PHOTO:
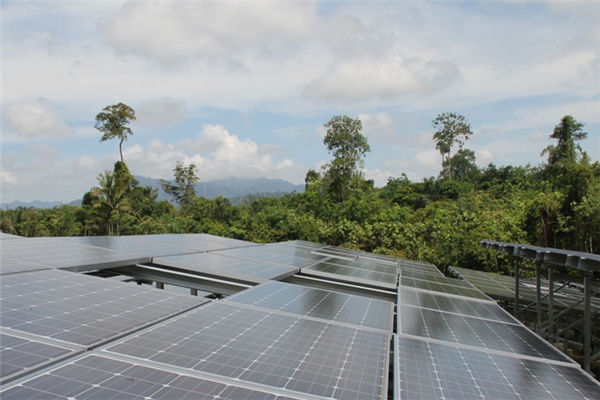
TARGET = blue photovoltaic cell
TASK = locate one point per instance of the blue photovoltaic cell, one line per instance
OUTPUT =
(9, 266)
(289, 353)
(432, 371)
(101, 378)
(64, 253)
(82, 309)
(349, 274)
(316, 303)
(19, 354)
(485, 334)
(464, 306)
(217, 265)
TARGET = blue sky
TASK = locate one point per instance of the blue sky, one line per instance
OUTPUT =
(244, 88)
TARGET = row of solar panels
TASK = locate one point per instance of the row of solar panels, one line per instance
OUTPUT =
(75, 336)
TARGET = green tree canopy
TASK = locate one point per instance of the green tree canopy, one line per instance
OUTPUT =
(451, 129)
(183, 190)
(566, 151)
(348, 146)
(113, 121)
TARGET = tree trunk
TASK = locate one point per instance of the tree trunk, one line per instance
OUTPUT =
(121, 149)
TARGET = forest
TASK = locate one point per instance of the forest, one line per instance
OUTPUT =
(439, 219)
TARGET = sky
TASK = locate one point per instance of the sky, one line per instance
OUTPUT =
(243, 88)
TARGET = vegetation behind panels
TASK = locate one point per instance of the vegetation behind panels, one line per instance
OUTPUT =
(440, 219)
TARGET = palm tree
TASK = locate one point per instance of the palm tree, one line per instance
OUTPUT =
(111, 198)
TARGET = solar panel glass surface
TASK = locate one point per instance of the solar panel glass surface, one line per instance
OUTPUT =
(289, 353)
(431, 371)
(316, 303)
(82, 309)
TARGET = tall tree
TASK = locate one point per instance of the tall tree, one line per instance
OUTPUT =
(113, 121)
(566, 151)
(451, 129)
(348, 146)
(183, 190)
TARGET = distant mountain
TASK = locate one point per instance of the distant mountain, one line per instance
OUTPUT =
(231, 188)
(234, 189)
(36, 204)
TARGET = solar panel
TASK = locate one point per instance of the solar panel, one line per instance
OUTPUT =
(456, 305)
(354, 275)
(433, 277)
(442, 288)
(266, 254)
(18, 355)
(141, 246)
(405, 264)
(82, 309)
(223, 241)
(381, 258)
(430, 371)
(285, 352)
(8, 266)
(316, 303)
(475, 332)
(235, 268)
(61, 253)
(366, 265)
(101, 377)
(9, 236)
(295, 251)
(344, 254)
(302, 244)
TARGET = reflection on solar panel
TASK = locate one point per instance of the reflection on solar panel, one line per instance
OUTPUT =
(443, 288)
(213, 263)
(475, 332)
(8, 266)
(338, 252)
(100, 377)
(379, 258)
(289, 353)
(366, 265)
(19, 354)
(349, 274)
(433, 277)
(224, 242)
(82, 309)
(267, 255)
(322, 304)
(142, 246)
(294, 251)
(418, 265)
(456, 305)
(430, 371)
(61, 253)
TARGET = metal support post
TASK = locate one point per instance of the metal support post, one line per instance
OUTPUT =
(516, 285)
(538, 297)
(550, 301)
(160, 285)
(194, 292)
(587, 321)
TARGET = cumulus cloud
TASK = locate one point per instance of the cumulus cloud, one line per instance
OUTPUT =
(428, 159)
(217, 153)
(161, 112)
(34, 119)
(382, 77)
(175, 33)
(378, 126)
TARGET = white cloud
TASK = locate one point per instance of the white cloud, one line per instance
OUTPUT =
(161, 112)
(376, 126)
(369, 77)
(34, 119)
(428, 159)
(484, 157)
(176, 33)
(379, 177)
(8, 181)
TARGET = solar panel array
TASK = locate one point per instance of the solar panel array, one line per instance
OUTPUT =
(67, 335)
(217, 265)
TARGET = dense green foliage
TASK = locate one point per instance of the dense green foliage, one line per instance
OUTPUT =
(556, 204)
(112, 122)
